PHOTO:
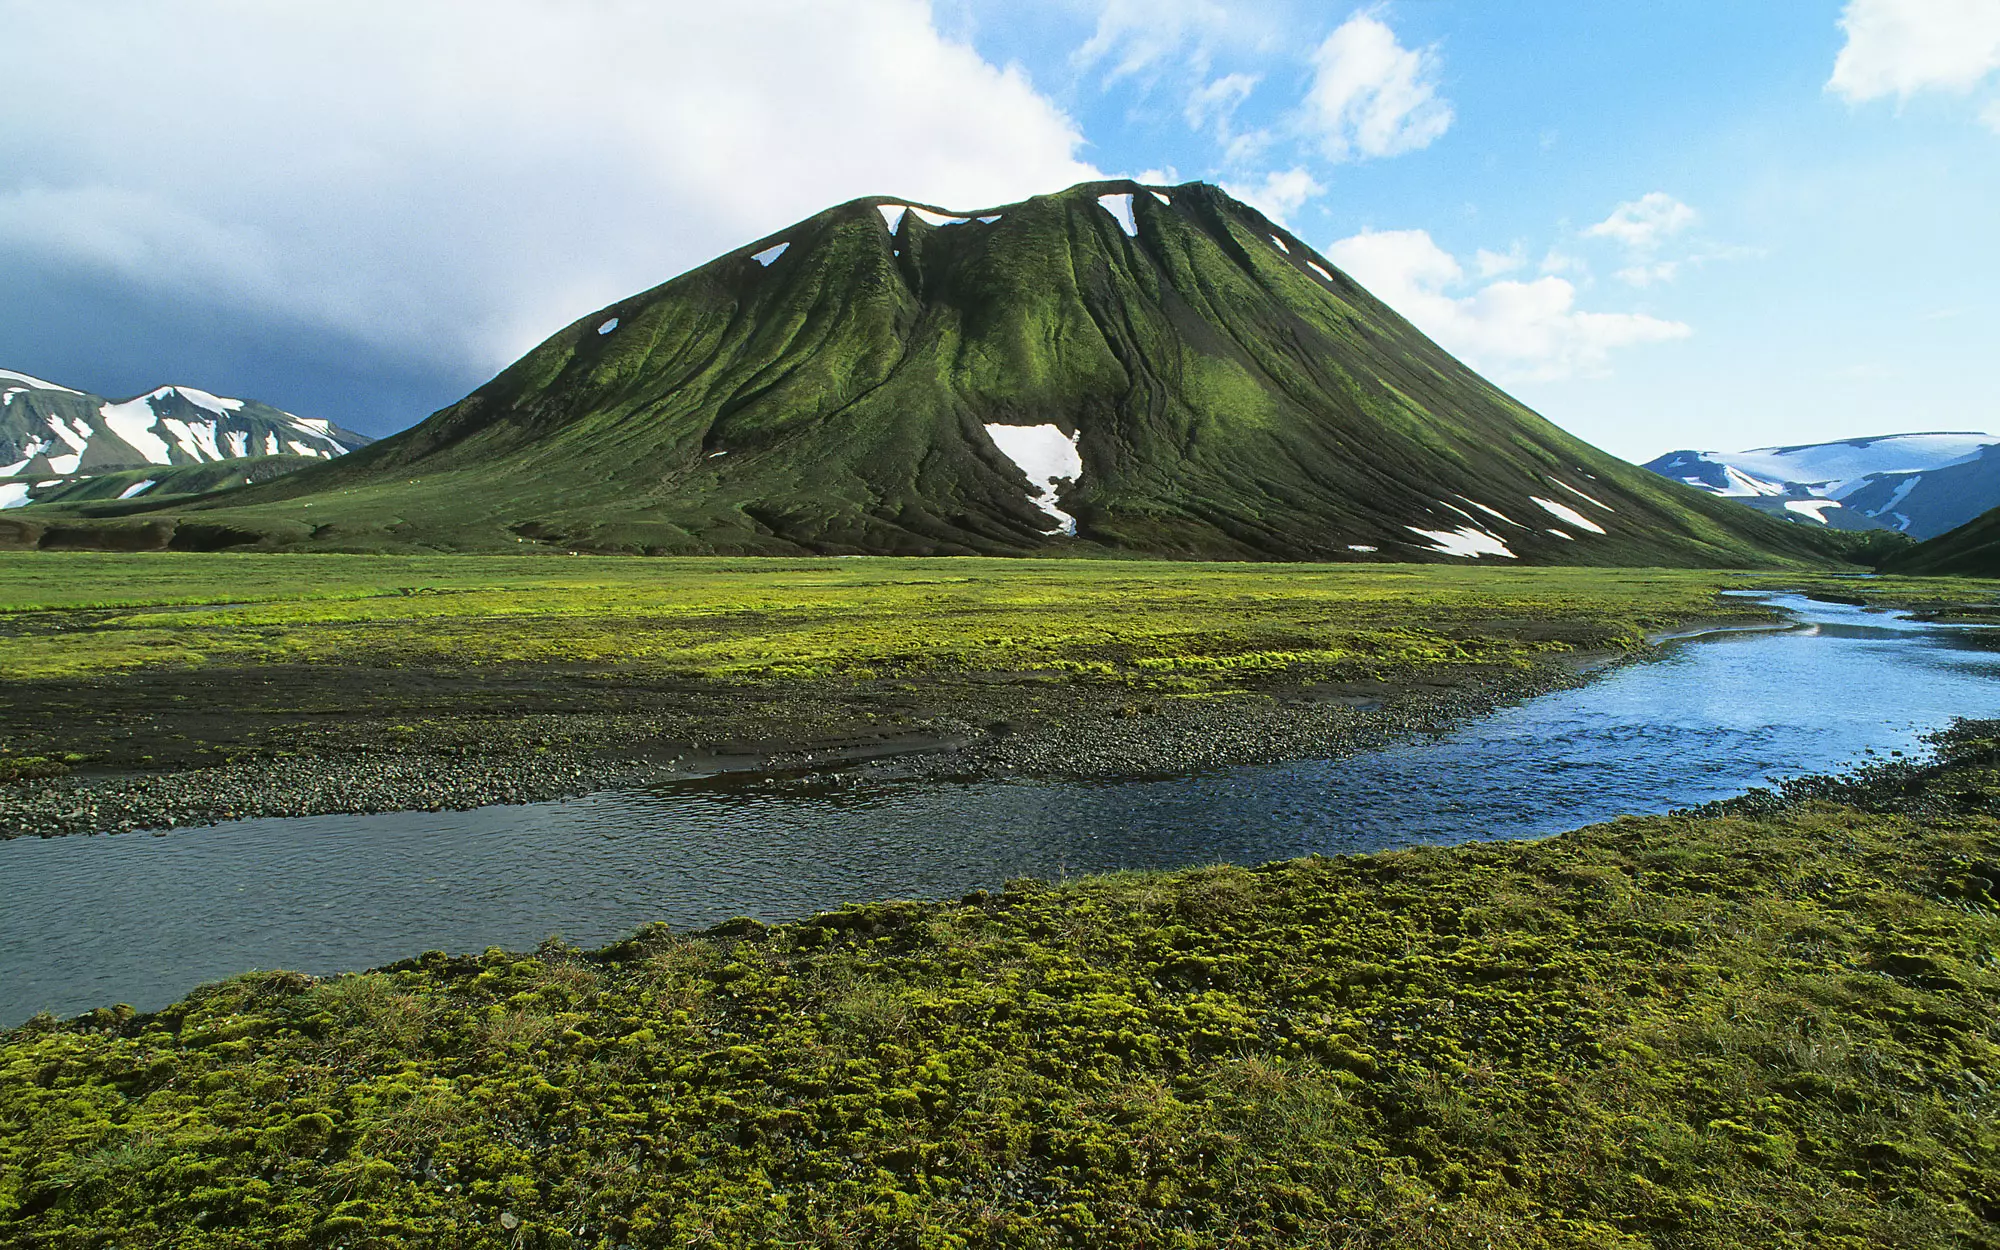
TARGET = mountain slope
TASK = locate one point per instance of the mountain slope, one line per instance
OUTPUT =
(49, 431)
(1180, 376)
(1971, 550)
(1918, 484)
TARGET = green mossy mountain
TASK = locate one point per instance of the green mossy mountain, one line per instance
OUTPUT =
(1971, 550)
(1230, 393)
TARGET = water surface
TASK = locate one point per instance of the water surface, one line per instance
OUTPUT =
(139, 919)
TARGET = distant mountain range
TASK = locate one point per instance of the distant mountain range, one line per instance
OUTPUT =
(1112, 368)
(51, 436)
(1919, 484)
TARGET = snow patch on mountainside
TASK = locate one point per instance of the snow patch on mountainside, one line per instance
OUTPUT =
(1464, 541)
(132, 421)
(938, 219)
(1563, 512)
(36, 383)
(770, 254)
(1120, 208)
(137, 488)
(1814, 508)
(1047, 457)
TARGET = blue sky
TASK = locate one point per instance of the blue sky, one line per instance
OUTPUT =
(1700, 224)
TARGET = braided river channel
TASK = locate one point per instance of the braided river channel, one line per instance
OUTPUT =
(92, 921)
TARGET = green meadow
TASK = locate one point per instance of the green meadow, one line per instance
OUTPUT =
(1177, 625)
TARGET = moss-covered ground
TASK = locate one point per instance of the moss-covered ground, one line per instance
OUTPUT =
(1775, 1023)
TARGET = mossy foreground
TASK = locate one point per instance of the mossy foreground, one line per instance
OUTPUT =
(1771, 1026)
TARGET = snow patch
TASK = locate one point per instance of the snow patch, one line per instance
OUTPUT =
(7, 396)
(1903, 490)
(133, 421)
(239, 444)
(1317, 268)
(769, 254)
(1164, 198)
(1464, 541)
(1281, 245)
(65, 464)
(138, 488)
(1814, 508)
(938, 219)
(70, 430)
(1120, 208)
(36, 383)
(1494, 512)
(987, 221)
(1363, 548)
(1047, 457)
(608, 326)
(892, 215)
(1564, 534)
(270, 444)
(197, 438)
(201, 399)
(1586, 498)
(1563, 512)
(13, 494)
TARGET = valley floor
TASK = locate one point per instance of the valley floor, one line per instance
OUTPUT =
(147, 690)
(1767, 1023)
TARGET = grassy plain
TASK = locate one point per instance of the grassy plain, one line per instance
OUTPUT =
(114, 661)
(1765, 1027)
(86, 614)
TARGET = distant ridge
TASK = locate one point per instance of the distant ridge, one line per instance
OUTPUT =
(51, 436)
(1920, 484)
(1115, 368)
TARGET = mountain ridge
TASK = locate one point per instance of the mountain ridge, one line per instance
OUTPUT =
(53, 436)
(832, 388)
(1920, 483)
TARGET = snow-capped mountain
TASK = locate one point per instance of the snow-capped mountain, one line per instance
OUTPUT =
(51, 431)
(1921, 484)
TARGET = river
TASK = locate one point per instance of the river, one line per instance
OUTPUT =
(91, 921)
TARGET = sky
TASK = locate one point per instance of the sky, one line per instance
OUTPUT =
(1662, 225)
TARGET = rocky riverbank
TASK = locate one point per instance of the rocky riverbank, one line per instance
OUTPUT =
(962, 731)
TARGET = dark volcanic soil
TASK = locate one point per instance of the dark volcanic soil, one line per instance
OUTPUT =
(166, 748)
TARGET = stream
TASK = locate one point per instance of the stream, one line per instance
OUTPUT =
(91, 921)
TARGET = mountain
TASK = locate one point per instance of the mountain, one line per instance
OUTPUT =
(1112, 368)
(51, 435)
(1918, 484)
(1971, 550)
(155, 484)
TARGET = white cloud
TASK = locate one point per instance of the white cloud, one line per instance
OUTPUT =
(1279, 194)
(1648, 274)
(1493, 264)
(1990, 116)
(1135, 36)
(1370, 96)
(1901, 47)
(1212, 105)
(1645, 223)
(455, 180)
(1521, 331)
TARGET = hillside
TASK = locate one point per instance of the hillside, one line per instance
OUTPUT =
(1971, 550)
(1916, 484)
(1115, 368)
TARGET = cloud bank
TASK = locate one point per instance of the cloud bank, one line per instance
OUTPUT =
(452, 181)
(1903, 47)
(1516, 330)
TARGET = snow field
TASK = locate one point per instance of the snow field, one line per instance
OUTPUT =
(1046, 457)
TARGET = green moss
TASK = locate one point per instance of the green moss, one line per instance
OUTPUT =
(1770, 1025)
